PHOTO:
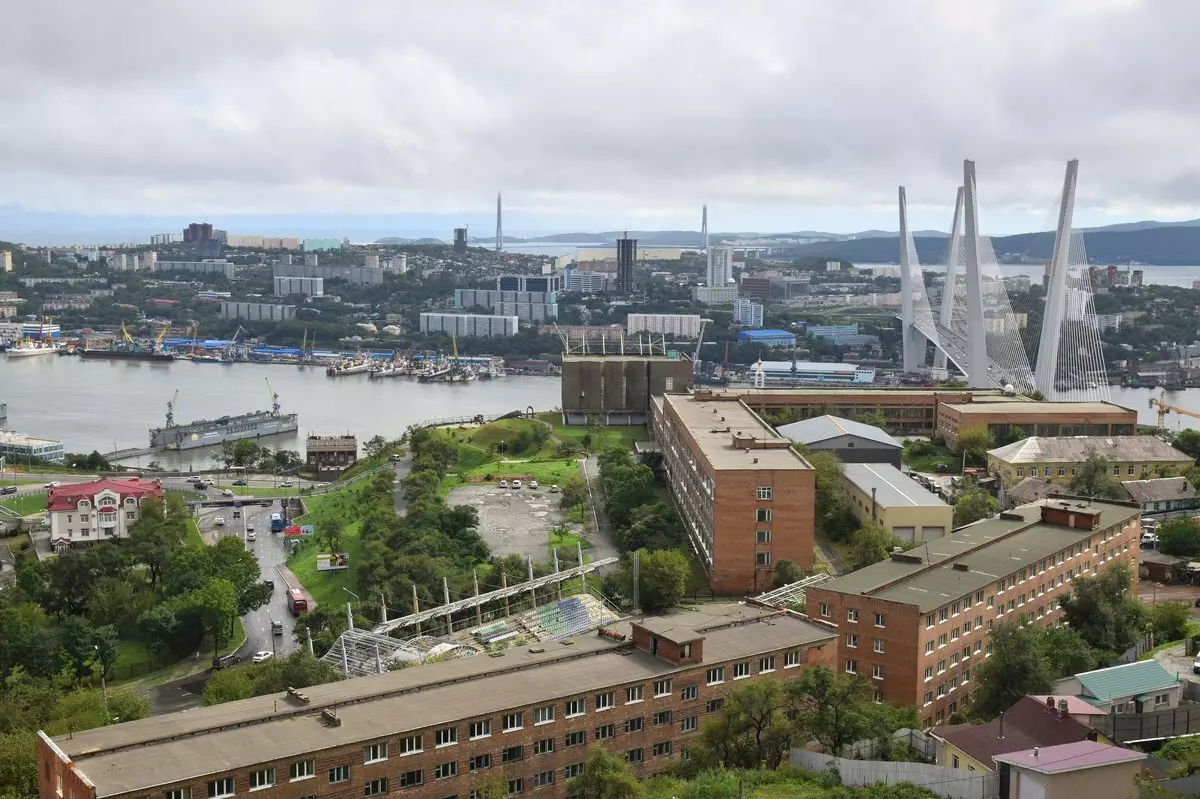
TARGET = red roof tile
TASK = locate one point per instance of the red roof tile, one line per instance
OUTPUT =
(67, 496)
(1026, 724)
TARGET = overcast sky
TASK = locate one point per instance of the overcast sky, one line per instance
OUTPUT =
(786, 115)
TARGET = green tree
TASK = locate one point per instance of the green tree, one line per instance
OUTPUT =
(664, 576)
(1095, 478)
(605, 776)
(214, 606)
(652, 526)
(1104, 611)
(155, 538)
(1179, 537)
(973, 444)
(871, 543)
(1169, 620)
(245, 452)
(787, 572)
(1066, 651)
(752, 730)
(1185, 751)
(1018, 666)
(78, 642)
(834, 708)
(329, 533)
(574, 491)
(104, 642)
(972, 504)
(374, 445)
(1187, 442)
(873, 418)
(228, 685)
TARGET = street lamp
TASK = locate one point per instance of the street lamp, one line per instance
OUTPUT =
(349, 611)
(103, 684)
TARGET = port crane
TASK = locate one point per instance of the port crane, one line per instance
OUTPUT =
(162, 336)
(125, 334)
(171, 409)
(274, 398)
(1165, 407)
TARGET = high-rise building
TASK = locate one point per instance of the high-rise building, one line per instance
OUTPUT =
(626, 258)
(747, 312)
(372, 261)
(460, 239)
(198, 233)
(720, 267)
(5, 261)
(499, 226)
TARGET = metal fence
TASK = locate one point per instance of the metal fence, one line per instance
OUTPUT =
(948, 782)
(1133, 727)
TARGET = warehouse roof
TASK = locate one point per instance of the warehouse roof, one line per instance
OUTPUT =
(976, 556)
(823, 428)
(1117, 449)
(892, 487)
(1159, 489)
(1129, 679)
(713, 424)
(163, 750)
(1035, 408)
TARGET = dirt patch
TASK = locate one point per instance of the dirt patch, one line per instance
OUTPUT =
(513, 521)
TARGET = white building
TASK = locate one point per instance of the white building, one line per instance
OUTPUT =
(18, 448)
(583, 281)
(720, 267)
(1078, 304)
(464, 325)
(216, 266)
(400, 264)
(257, 311)
(1104, 321)
(286, 286)
(747, 312)
(87, 513)
(714, 295)
(677, 325)
(5, 261)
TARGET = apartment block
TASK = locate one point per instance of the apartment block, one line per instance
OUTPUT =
(210, 267)
(358, 275)
(469, 324)
(677, 325)
(545, 284)
(745, 496)
(306, 286)
(917, 624)
(1001, 417)
(1058, 460)
(523, 719)
(257, 311)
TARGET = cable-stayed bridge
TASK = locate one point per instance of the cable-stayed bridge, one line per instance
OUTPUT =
(971, 325)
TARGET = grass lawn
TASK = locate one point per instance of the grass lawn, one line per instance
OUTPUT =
(577, 514)
(26, 504)
(569, 541)
(602, 437)
(136, 667)
(326, 587)
(193, 538)
(547, 473)
(478, 444)
(951, 463)
(255, 491)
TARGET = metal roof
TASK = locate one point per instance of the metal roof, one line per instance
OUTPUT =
(713, 424)
(891, 486)
(1070, 757)
(1117, 449)
(823, 428)
(1162, 488)
(1130, 679)
(1016, 406)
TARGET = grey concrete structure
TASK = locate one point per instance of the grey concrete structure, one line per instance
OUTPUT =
(851, 441)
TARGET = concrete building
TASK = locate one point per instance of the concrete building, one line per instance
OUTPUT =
(468, 325)
(306, 286)
(1002, 417)
(6, 263)
(19, 448)
(582, 281)
(882, 494)
(1140, 687)
(1087, 768)
(460, 239)
(319, 245)
(329, 456)
(525, 720)
(683, 326)
(257, 311)
(747, 312)
(720, 267)
(546, 284)
(756, 287)
(82, 514)
(529, 306)
(400, 263)
(714, 295)
(1167, 495)
(220, 267)
(813, 372)
(744, 494)
(619, 387)
(1057, 460)
(851, 441)
(312, 259)
(532, 312)
(917, 623)
(626, 258)
(371, 261)
(358, 275)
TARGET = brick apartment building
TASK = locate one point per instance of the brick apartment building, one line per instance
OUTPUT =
(522, 720)
(745, 496)
(1035, 419)
(917, 624)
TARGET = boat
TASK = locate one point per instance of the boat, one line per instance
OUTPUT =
(207, 432)
(121, 351)
(30, 347)
(434, 373)
(350, 366)
(390, 369)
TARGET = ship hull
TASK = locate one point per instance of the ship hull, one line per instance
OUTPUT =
(29, 353)
(207, 433)
(109, 355)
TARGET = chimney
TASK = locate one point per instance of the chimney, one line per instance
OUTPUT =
(1062, 708)
(1035, 751)
(1050, 703)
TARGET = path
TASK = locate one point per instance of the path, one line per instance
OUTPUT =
(830, 555)
(604, 541)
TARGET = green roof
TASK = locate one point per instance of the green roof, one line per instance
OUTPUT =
(1132, 679)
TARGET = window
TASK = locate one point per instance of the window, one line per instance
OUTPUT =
(543, 778)
(880, 619)
(543, 715)
(375, 753)
(954, 762)
(1020, 472)
(764, 492)
(513, 754)
(688, 724)
(1161, 699)
(954, 608)
(851, 614)
(662, 717)
(762, 558)
(380, 786)
(852, 640)
(634, 755)
(877, 672)
(444, 771)
(941, 666)
(766, 664)
(633, 694)
(575, 707)
(877, 645)
(516, 786)
(851, 666)
(824, 607)
(688, 693)
(263, 778)
(339, 774)
(604, 701)
(661, 748)
(481, 729)
(573, 770)
(942, 640)
(928, 621)
(685, 652)
(929, 647)
(302, 770)
(605, 731)
(411, 745)
(178, 793)
(447, 736)
(662, 688)
(763, 536)
(634, 724)
(514, 721)
(219, 788)
(929, 672)
(480, 762)
(714, 705)
(792, 659)
(762, 514)
(716, 675)
(943, 614)
(741, 670)
(575, 738)
(544, 746)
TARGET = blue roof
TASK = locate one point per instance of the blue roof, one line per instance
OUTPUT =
(768, 334)
(1130, 679)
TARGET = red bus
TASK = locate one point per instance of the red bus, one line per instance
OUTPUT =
(297, 602)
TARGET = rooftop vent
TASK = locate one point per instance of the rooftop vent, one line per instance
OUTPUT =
(330, 718)
(536, 650)
(295, 695)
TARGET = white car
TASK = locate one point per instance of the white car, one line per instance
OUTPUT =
(286, 484)
(251, 535)
(554, 489)
(249, 527)
(533, 484)
(219, 521)
(228, 492)
(52, 484)
(516, 483)
(504, 484)
(259, 657)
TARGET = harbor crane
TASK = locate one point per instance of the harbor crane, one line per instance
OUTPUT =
(171, 409)
(162, 336)
(125, 334)
(1165, 407)
(274, 398)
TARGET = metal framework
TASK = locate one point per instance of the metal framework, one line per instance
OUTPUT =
(793, 593)
(358, 653)
(614, 344)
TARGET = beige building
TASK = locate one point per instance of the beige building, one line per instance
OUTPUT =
(1086, 768)
(879, 492)
(1057, 460)
(5, 261)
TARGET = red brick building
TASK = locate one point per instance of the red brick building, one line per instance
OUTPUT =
(917, 624)
(745, 496)
(523, 719)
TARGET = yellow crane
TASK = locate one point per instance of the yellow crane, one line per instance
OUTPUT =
(274, 397)
(454, 346)
(162, 335)
(1165, 407)
(125, 334)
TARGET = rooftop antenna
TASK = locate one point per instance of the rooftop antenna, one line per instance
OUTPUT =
(499, 226)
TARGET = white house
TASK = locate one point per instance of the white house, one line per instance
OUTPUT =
(85, 513)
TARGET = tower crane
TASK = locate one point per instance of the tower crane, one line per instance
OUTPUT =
(1165, 407)
(171, 409)
(274, 398)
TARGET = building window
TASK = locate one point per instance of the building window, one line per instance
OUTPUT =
(634, 755)
(543, 715)
(576, 707)
(572, 771)
(339, 774)
(661, 749)
(714, 705)
(544, 746)
(513, 754)
(634, 724)
(444, 771)
(764, 492)
(217, 788)
(741, 670)
(302, 770)
(689, 693)
(578, 738)
(880, 619)
(851, 614)
(604, 701)
(929, 621)
(605, 731)
(762, 514)
(1020, 472)
(929, 672)
(954, 762)
(762, 558)
(480, 762)
(851, 666)
(1161, 699)
(766, 664)
(715, 676)
(516, 786)
(447, 736)
(178, 793)
(481, 729)
(375, 753)
(878, 645)
(662, 717)
(852, 640)
(411, 745)
(514, 721)
(763, 536)
(928, 698)
(791, 659)
(877, 672)
(633, 694)
(685, 652)
(824, 610)
(543, 778)
(688, 724)
(929, 647)
(662, 688)
(263, 778)
(380, 786)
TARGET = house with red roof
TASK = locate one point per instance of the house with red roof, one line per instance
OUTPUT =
(82, 514)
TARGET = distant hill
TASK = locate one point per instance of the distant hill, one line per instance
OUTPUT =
(398, 240)
(1147, 225)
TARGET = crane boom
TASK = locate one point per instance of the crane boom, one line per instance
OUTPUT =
(274, 397)
(1165, 407)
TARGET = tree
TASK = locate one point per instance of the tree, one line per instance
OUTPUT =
(104, 642)
(973, 444)
(1179, 537)
(374, 445)
(664, 576)
(329, 533)
(1104, 611)
(1095, 478)
(574, 491)
(605, 776)
(78, 642)
(214, 606)
(1185, 751)
(1066, 651)
(972, 504)
(873, 418)
(787, 572)
(1018, 666)
(652, 526)
(1187, 442)
(871, 543)
(834, 708)
(245, 452)
(752, 730)
(154, 539)
(1169, 620)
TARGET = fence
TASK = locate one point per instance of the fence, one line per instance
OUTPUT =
(1131, 655)
(918, 743)
(1131, 727)
(948, 782)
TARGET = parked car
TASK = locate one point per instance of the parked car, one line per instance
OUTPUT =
(8, 489)
(516, 483)
(251, 535)
(286, 484)
(533, 484)
(504, 484)
(225, 660)
(259, 657)
(208, 482)
(554, 489)
(227, 492)
(1149, 540)
(269, 584)
(52, 484)
(1196, 665)
(249, 527)
(240, 482)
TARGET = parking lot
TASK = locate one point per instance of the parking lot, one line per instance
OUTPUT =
(512, 521)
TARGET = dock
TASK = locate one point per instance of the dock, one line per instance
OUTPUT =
(126, 454)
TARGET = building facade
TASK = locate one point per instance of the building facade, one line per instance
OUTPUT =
(720, 267)
(306, 286)
(220, 267)
(685, 326)
(83, 514)
(529, 306)
(714, 295)
(257, 311)
(1058, 460)
(545, 284)
(744, 494)
(772, 339)
(584, 281)
(1003, 417)
(917, 624)
(329, 456)
(879, 493)
(522, 722)
(747, 312)
(18, 448)
(618, 387)
(626, 258)
(319, 245)
(358, 275)
(469, 324)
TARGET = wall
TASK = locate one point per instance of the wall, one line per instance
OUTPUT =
(922, 518)
(948, 751)
(58, 778)
(852, 449)
(942, 781)
(1063, 472)
(1105, 782)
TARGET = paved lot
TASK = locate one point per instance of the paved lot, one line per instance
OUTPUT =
(512, 521)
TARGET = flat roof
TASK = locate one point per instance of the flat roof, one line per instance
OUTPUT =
(1033, 408)
(8, 437)
(163, 750)
(1070, 757)
(856, 392)
(810, 366)
(713, 423)
(893, 488)
(930, 579)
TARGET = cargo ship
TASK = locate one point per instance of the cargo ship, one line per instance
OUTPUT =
(209, 432)
(126, 352)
